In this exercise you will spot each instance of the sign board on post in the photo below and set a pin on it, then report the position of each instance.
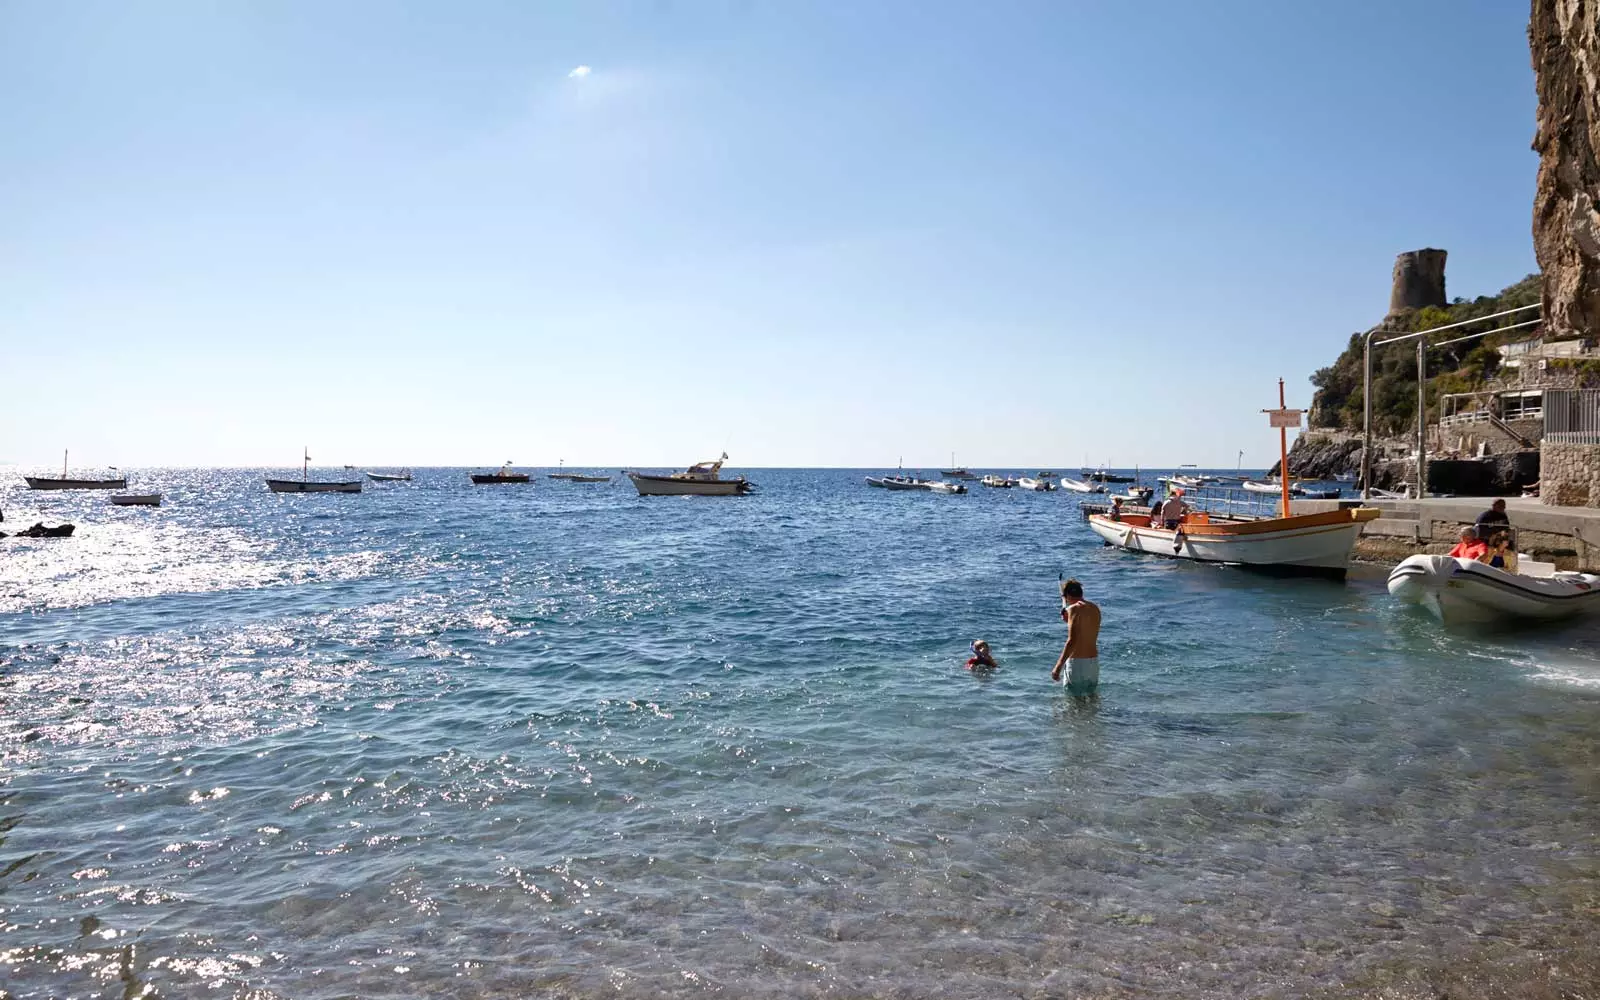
(1289, 419)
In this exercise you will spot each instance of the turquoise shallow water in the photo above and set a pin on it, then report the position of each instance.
(560, 740)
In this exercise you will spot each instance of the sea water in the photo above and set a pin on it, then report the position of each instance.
(560, 740)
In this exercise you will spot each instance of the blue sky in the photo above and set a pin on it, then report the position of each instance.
(411, 233)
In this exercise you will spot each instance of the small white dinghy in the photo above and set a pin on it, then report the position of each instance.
(137, 499)
(1464, 590)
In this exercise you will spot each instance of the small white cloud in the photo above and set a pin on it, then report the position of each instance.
(579, 72)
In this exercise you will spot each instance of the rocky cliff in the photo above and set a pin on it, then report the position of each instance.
(1565, 45)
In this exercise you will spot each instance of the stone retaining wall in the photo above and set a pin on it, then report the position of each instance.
(1569, 474)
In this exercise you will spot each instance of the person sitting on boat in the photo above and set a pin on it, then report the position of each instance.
(1173, 511)
(1115, 513)
(1155, 511)
(981, 658)
(1500, 554)
(1470, 546)
(1494, 517)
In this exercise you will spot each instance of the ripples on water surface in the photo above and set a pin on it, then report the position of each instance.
(560, 740)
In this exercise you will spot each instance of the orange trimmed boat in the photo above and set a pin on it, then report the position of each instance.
(1315, 544)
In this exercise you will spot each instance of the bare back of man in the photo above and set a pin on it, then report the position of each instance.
(1080, 657)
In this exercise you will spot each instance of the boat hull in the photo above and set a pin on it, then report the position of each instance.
(491, 480)
(312, 486)
(1464, 591)
(379, 477)
(667, 486)
(1309, 544)
(57, 483)
(137, 500)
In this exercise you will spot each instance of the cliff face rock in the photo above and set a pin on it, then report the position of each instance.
(1418, 281)
(1565, 44)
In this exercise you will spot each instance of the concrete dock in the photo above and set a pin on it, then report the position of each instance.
(1566, 536)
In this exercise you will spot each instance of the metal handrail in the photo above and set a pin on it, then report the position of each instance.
(1421, 337)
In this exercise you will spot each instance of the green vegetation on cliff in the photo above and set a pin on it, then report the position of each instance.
(1464, 367)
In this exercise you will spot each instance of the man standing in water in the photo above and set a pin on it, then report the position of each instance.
(1080, 657)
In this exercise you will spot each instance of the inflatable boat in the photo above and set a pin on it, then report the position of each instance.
(1464, 590)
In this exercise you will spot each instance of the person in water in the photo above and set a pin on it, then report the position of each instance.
(1500, 554)
(1080, 657)
(1470, 546)
(981, 658)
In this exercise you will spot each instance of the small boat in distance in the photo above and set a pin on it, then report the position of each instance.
(576, 477)
(63, 483)
(702, 479)
(998, 482)
(1036, 485)
(956, 473)
(1079, 486)
(500, 475)
(305, 484)
(137, 499)
(1100, 475)
(940, 486)
(403, 476)
(896, 482)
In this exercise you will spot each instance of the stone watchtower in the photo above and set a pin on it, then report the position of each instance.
(1418, 281)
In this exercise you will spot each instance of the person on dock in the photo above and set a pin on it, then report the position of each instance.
(1470, 546)
(1494, 517)
(1080, 657)
(981, 658)
(1173, 510)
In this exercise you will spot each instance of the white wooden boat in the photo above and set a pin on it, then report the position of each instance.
(998, 482)
(137, 499)
(1035, 485)
(1318, 544)
(305, 484)
(62, 482)
(701, 479)
(403, 476)
(1079, 486)
(937, 486)
(1467, 591)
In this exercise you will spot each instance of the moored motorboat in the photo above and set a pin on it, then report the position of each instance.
(1079, 486)
(1102, 476)
(701, 479)
(500, 475)
(403, 476)
(578, 477)
(1135, 495)
(938, 486)
(62, 482)
(1465, 590)
(998, 482)
(1318, 544)
(137, 499)
(305, 484)
(897, 482)
(1035, 485)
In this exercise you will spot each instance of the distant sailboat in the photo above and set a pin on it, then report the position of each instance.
(63, 483)
(305, 484)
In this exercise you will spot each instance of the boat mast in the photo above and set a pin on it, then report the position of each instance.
(63, 463)
(1283, 453)
(305, 466)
